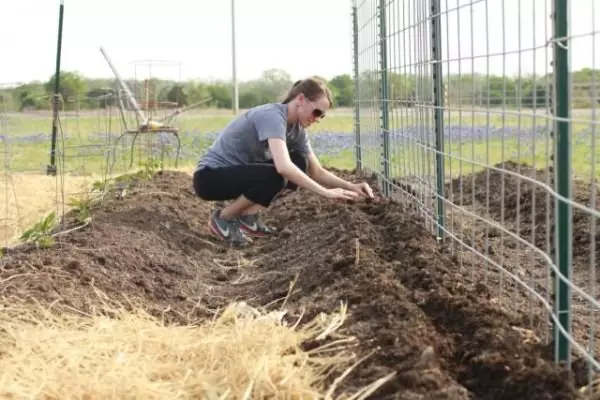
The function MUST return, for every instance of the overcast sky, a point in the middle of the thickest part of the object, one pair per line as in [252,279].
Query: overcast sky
[303,37]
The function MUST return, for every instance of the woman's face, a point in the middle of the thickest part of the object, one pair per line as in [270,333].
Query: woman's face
[310,112]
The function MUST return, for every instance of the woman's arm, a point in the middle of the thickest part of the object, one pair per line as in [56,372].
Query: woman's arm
[286,168]
[328,179]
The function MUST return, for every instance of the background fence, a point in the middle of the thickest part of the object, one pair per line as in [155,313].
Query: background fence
[482,114]
[95,143]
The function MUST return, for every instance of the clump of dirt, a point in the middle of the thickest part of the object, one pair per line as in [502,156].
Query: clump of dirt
[430,319]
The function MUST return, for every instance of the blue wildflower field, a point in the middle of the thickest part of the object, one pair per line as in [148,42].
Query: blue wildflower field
[471,142]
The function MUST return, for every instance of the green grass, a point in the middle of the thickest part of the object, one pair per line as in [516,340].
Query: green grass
[101,121]
[407,158]
[465,156]
[469,157]
[337,121]
[33,155]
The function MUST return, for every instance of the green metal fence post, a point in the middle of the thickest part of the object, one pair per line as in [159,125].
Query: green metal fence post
[563,177]
[51,168]
[438,103]
[384,98]
[356,86]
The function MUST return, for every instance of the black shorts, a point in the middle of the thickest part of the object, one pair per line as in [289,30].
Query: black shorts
[259,182]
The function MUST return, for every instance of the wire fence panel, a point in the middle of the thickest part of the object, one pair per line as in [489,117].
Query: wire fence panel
[30,194]
[366,67]
[94,150]
[482,114]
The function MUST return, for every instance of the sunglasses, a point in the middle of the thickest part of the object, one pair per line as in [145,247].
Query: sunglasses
[318,114]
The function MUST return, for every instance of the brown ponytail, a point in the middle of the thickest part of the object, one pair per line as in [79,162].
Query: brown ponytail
[312,88]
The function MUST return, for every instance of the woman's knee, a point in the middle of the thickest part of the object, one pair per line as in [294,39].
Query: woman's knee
[278,182]
[264,192]
[301,161]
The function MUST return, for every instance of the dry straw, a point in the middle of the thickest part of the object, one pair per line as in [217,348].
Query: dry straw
[241,354]
[26,198]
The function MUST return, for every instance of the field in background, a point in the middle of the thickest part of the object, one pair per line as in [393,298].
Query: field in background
[474,139]
[485,137]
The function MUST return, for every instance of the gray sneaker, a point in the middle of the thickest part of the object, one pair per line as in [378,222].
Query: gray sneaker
[254,226]
[227,229]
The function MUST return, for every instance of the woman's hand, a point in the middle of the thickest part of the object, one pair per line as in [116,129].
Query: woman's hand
[362,189]
[340,194]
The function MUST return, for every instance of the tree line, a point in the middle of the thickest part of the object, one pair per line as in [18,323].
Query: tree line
[80,92]
[479,90]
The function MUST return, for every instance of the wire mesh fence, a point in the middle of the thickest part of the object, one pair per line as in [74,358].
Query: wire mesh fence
[96,147]
[482,114]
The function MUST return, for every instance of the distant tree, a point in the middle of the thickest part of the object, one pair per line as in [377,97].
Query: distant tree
[177,94]
[73,87]
[343,88]
[249,99]
[30,96]
[197,91]
[221,95]
[273,84]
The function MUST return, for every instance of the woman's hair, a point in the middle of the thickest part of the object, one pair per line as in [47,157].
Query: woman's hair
[313,88]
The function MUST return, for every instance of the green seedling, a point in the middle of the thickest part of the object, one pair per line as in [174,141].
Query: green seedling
[41,233]
[101,186]
[81,208]
[150,167]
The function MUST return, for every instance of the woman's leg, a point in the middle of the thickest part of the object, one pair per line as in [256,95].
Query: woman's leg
[251,220]
[258,183]
[252,186]
[301,162]
[249,185]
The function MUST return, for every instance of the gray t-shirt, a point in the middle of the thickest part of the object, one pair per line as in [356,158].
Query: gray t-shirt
[244,140]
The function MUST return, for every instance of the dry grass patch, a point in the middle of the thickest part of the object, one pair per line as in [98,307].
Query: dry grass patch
[27,198]
[241,354]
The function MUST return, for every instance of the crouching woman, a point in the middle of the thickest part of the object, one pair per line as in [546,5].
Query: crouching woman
[261,152]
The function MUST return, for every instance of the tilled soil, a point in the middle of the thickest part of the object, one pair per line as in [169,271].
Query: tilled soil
[432,320]
[528,210]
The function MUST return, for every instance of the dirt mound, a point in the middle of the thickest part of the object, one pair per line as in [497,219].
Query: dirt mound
[527,209]
[432,322]
[149,246]
[523,207]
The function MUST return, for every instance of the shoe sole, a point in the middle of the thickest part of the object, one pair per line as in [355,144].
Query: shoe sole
[217,234]
[215,231]
[250,232]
